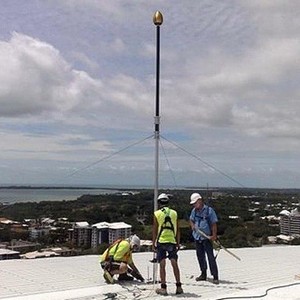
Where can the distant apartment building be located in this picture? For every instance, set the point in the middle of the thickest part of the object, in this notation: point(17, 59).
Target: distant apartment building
point(83, 234)
point(118, 230)
point(37, 232)
point(80, 235)
point(290, 222)
point(100, 234)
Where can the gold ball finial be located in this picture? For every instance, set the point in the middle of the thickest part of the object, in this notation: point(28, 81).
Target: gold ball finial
point(158, 18)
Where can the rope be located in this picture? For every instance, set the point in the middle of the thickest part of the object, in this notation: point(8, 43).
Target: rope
point(107, 157)
point(204, 162)
point(168, 163)
point(137, 292)
point(167, 160)
point(169, 166)
point(260, 296)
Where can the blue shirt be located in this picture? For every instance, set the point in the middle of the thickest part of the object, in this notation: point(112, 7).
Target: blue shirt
point(203, 220)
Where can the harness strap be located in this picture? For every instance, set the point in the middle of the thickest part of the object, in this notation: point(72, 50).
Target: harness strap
point(110, 257)
point(203, 216)
point(164, 225)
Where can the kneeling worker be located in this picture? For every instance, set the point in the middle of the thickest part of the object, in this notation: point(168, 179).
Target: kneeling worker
point(117, 259)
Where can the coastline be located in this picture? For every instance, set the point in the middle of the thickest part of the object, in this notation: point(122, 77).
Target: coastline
point(21, 194)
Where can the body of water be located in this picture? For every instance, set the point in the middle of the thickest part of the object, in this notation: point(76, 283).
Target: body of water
point(12, 195)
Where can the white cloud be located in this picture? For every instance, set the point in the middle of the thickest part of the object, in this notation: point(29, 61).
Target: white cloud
point(249, 93)
point(35, 78)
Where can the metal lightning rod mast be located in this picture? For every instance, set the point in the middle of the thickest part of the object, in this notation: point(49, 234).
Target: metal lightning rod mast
point(157, 20)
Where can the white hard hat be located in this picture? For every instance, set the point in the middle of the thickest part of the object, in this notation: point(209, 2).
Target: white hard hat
point(194, 197)
point(163, 198)
point(134, 240)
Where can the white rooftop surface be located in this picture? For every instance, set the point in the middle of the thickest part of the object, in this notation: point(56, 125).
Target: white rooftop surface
point(271, 272)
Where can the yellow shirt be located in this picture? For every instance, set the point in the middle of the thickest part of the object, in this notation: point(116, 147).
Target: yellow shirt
point(121, 252)
point(167, 235)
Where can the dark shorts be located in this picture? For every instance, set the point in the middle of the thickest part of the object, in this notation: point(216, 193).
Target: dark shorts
point(166, 250)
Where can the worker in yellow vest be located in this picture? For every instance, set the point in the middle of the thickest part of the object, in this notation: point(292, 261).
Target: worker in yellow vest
point(117, 259)
point(165, 241)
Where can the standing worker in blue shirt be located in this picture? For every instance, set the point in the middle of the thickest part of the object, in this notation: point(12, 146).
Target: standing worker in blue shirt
point(204, 218)
point(165, 241)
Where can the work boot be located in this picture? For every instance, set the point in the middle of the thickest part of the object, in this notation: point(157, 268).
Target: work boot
point(108, 277)
point(179, 289)
point(162, 290)
point(125, 277)
point(202, 277)
point(216, 280)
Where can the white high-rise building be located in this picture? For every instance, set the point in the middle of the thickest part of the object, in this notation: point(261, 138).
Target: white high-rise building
point(290, 222)
point(83, 234)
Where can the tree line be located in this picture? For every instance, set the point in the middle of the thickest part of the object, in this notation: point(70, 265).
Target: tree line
point(248, 229)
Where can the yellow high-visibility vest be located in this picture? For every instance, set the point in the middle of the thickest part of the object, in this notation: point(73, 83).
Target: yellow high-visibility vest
point(166, 230)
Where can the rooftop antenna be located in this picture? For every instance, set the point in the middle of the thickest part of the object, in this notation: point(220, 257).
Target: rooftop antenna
point(157, 20)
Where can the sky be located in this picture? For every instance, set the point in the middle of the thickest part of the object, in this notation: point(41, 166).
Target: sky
point(78, 81)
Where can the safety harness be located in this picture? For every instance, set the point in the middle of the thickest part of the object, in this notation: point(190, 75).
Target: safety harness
point(109, 258)
point(205, 217)
point(167, 224)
